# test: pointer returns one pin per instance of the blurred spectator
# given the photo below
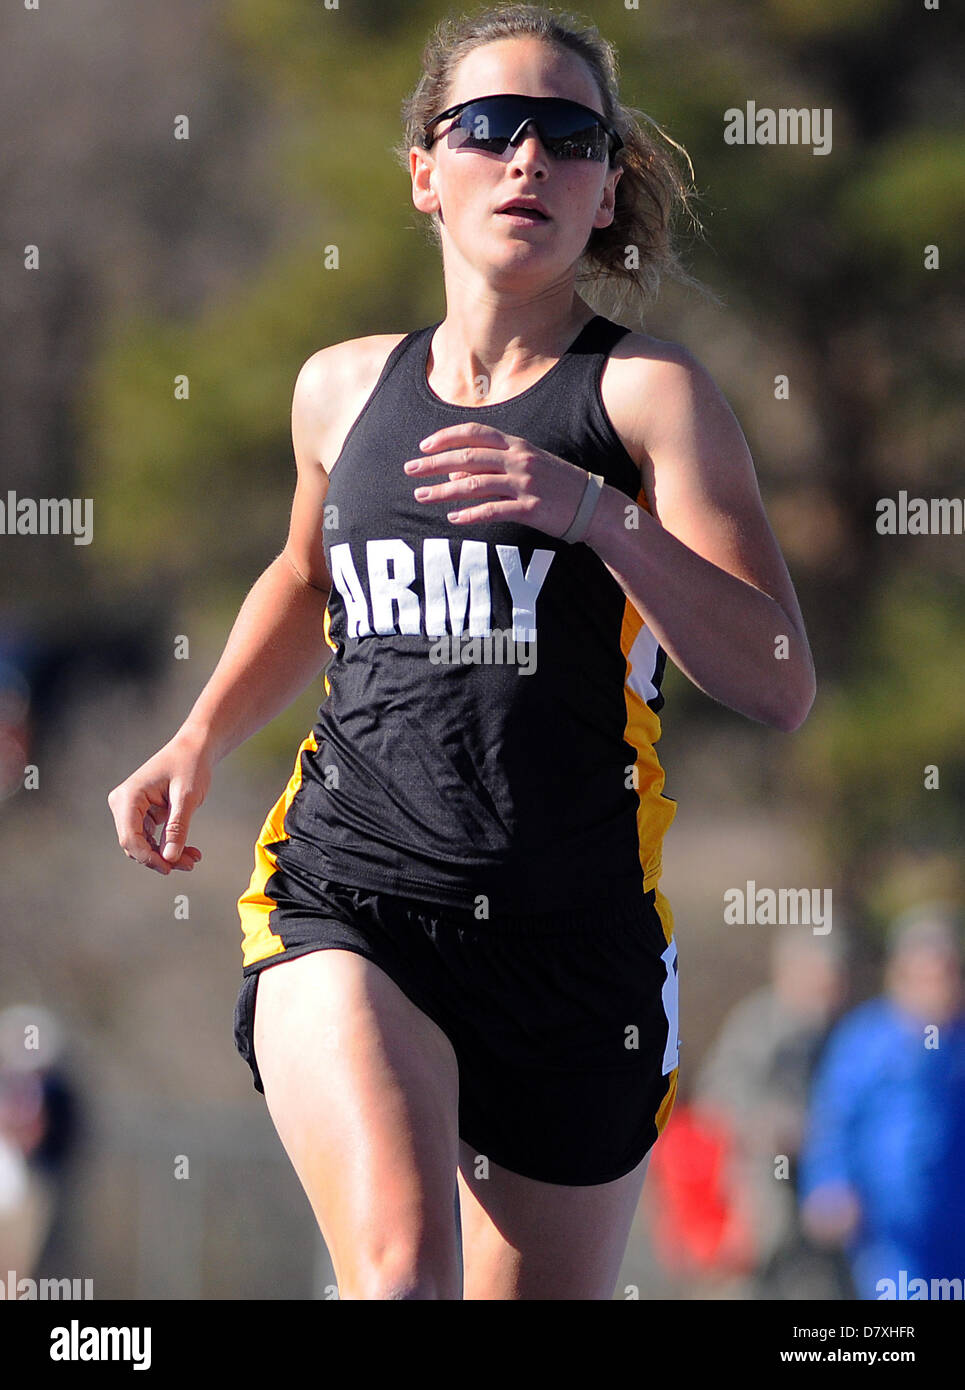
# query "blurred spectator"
(21, 1211)
(698, 1230)
(41, 673)
(883, 1164)
(14, 715)
(37, 1133)
(756, 1080)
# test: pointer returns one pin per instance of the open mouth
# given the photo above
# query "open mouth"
(524, 214)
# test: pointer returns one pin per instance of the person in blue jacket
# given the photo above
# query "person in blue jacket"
(883, 1162)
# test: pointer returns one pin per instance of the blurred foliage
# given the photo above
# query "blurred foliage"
(908, 195)
(823, 252)
(897, 711)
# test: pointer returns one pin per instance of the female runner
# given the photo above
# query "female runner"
(464, 968)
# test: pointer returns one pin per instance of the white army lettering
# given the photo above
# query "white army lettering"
(446, 597)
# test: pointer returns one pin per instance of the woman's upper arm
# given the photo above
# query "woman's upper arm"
(700, 476)
(311, 428)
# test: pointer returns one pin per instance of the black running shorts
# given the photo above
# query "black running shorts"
(564, 1026)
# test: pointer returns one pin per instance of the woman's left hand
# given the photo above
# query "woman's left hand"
(506, 478)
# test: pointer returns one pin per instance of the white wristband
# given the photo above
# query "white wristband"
(580, 524)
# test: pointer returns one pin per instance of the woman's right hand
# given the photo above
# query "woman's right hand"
(160, 798)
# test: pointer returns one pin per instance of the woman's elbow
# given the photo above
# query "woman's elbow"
(794, 705)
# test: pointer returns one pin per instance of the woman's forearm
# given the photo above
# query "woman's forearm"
(734, 642)
(276, 646)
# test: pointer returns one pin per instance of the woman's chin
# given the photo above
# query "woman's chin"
(519, 257)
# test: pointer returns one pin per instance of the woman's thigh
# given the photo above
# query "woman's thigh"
(524, 1239)
(363, 1090)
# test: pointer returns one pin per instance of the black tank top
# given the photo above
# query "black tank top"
(492, 697)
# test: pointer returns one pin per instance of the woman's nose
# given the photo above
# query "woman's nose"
(530, 146)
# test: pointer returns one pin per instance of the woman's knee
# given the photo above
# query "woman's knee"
(405, 1270)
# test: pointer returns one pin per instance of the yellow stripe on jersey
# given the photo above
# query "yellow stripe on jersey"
(665, 914)
(667, 1104)
(654, 810)
(254, 905)
(327, 628)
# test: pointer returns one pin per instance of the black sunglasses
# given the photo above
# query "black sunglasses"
(567, 129)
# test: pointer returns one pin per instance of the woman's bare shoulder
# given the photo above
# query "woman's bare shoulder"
(331, 388)
(344, 367)
(652, 386)
(641, 366)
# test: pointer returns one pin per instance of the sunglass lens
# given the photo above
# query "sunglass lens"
(566, 129)
(481, 126)
(588, 143)
(572, 133)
